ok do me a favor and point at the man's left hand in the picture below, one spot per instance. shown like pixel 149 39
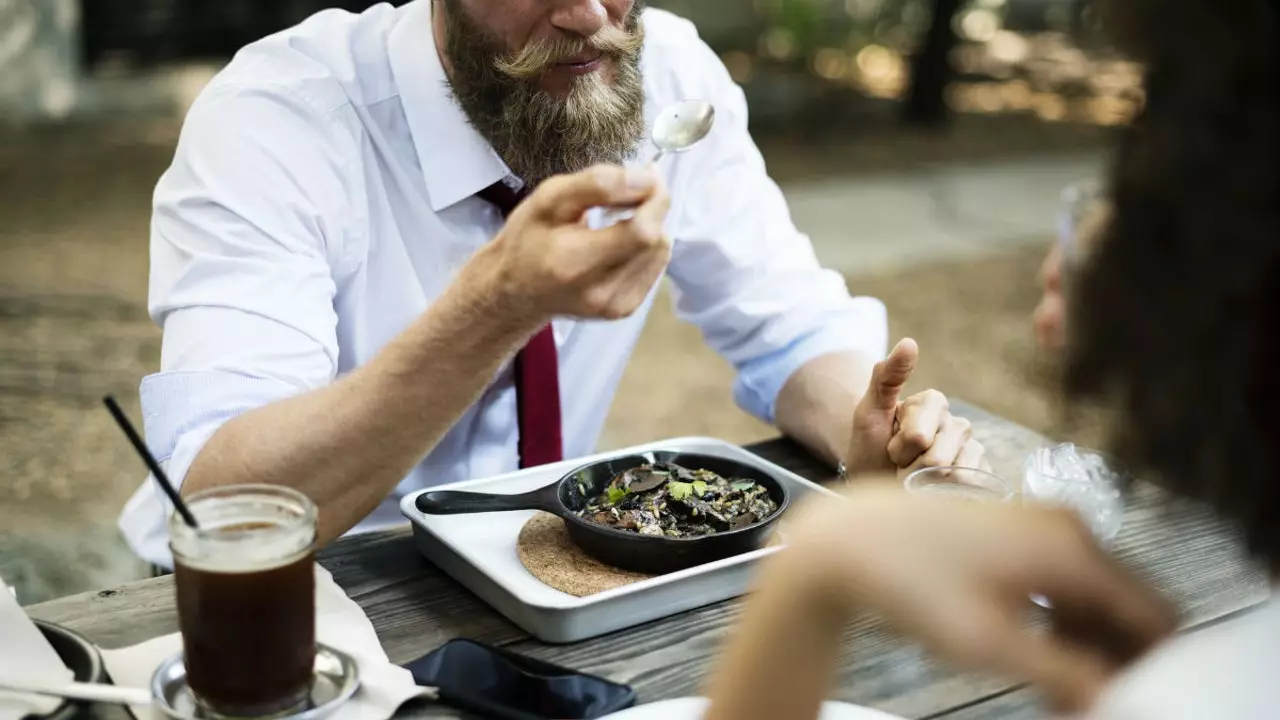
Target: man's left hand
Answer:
pixel 904 435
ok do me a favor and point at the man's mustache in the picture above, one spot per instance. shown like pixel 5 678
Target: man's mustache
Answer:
pixel 539 56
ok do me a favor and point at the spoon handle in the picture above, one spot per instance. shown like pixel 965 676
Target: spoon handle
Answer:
pixel 93 692
pixel 616 215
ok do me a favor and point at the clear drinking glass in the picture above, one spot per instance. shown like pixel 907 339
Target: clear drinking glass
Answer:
pixel 959 483
pixel 1084 480
pixel 246 599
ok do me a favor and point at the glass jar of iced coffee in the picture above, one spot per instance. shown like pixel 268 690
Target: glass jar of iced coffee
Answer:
pixel 246 599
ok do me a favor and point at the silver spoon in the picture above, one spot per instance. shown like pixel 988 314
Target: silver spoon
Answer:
pixel 677 128
pixel 93 692
pixel 681 125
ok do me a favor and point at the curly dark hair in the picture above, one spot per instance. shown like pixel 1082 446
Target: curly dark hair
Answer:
pixel 1175 318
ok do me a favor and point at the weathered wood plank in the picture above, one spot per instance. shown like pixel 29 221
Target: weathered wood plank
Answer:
pixel 415 607
pixel 1007 443
pixel 117 617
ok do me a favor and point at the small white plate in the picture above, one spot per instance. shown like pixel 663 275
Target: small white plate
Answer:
pixel 692 708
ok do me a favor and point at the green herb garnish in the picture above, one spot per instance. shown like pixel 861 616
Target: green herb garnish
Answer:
pixel 683 490
pixel 743 486
pixel 615 494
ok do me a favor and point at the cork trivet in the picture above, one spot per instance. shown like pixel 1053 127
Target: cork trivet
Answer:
pixel 549 555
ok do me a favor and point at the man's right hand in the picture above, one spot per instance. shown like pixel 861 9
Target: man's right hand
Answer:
pixel 547 262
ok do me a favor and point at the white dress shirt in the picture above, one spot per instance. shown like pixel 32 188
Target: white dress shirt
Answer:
pixel 322 196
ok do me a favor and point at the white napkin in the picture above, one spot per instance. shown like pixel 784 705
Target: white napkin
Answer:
pixel 25 654
pixel 340 624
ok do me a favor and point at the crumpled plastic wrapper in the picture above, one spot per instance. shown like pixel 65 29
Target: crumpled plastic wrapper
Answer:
pixel 1070 476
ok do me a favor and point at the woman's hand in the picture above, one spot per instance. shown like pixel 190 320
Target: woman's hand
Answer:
pixel 955 576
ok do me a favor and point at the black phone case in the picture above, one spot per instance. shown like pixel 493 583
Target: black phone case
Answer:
pixel 619 697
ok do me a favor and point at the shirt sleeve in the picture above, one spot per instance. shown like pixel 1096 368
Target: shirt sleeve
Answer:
pixel 246 242
pixel 744 274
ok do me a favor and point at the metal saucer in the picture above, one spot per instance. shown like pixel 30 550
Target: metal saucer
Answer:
pixel 336 680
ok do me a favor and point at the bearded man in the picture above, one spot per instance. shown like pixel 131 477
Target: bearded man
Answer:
pixel 376 267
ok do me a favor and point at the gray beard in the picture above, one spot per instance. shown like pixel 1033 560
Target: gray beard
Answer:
pixel 535 133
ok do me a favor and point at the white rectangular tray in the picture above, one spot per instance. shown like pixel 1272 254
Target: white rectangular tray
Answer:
pixel 479 551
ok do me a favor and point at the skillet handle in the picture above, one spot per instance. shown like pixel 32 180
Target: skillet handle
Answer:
pixel 456 502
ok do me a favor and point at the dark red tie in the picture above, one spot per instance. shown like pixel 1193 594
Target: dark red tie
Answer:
pixel 537 372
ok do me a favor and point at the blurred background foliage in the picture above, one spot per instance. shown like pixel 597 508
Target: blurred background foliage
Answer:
pixel 805 64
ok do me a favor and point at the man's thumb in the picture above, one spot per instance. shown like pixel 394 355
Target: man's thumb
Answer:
pixel 564 198
pixel 892 373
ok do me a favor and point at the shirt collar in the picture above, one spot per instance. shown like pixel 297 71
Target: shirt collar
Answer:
pixel 457 162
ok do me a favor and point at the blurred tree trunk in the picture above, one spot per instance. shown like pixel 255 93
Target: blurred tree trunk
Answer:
pixel 1077 17
pixel 931 71
pixel 1079 25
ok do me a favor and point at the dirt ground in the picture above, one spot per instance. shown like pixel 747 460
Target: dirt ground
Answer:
pixel 74 207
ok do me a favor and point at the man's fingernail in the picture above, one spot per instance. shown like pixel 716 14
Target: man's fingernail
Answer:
pixel 641 177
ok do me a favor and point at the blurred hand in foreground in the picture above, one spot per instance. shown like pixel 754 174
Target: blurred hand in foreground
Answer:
pixel 954 576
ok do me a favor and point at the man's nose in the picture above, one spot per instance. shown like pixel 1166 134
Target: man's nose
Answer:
pixel 580 17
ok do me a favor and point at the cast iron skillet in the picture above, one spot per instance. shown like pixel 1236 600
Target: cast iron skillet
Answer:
pixel 622 549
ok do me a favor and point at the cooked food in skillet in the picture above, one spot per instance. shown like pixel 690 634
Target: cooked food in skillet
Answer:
pixel 673 501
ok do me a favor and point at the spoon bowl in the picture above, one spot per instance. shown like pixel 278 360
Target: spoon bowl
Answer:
pixel 677 128
pixel 682 125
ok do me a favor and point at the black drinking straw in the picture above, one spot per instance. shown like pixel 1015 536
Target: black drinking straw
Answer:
pixel 150 460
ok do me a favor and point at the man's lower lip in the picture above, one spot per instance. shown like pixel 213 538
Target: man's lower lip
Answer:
pixel 582 68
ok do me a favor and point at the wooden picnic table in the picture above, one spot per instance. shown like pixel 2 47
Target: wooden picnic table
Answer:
pixel 1196 561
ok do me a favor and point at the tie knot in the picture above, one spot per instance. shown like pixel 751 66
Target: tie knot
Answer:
pixel 502 197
